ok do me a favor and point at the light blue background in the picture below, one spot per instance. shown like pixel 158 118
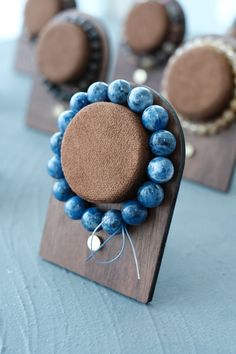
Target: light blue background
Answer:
pixel 45 309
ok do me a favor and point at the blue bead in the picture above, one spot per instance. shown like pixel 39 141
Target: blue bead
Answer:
pixel 112 222
pixel 118 91
pixel 160 170
pixel 97 92
pixel 155 118
pixel 78 101
pixel 133 213
pixel 150 195
pixel 62 191
pixel 162 143
pixel 75 207
pixel 55 143
pixel 139 99
pixel 54 167
pixel 91 218
pixel 64 120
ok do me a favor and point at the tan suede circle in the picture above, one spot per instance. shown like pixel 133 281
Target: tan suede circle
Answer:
pixel 200 83
pixel 63 52
pixel 146 26
pixel 105 153
pixel 38 13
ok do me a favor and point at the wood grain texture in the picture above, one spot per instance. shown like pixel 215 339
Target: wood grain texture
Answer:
pixel 214 160
pixel 46 309
pixel 65 241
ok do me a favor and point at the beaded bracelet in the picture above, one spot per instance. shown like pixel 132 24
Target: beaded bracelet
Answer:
pixel 146 62
pixel 64 92
pixel 228 116
pixel 160 169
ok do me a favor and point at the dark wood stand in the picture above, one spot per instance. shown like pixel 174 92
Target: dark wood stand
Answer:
pixel 213 162
pixel 64 241
pixel 25 55
pixel 44 108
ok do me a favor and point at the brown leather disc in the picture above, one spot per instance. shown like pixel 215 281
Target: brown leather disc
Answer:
pixel 38 13
pixel 105 153
pixel 200 83
pixel 146 26
pixel 62 52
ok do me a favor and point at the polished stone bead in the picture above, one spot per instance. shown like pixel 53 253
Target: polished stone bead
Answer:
pixel 78 101
pixel 55 143
pixel 97 92
pixel 75 207
pixel 112 222
pixel 61 190
pixel 150 195
pixel 54 167
pixel 118 91
pixel 64 120
pixel 139 99
pixel 91 218
pixel 155 118
pixel 133 213
pixel 162 143
pixel 160 170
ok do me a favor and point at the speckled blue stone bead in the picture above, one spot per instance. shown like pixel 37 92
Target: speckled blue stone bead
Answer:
pixel 150 195
pixel 75 207
pixel 160 170
pixel 78 101
pixel 118 91
pixel 62 191
pixel 112 222
pixel 97 92
pixel 133 213
pixel 55 143
pixel 54 167
pixel 162 143
pixel 139 99
pixel 155 118
pixel 64 120
pixel 91 218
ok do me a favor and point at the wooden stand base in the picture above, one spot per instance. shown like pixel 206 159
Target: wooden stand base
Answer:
pixel 25 55
pixel 214 159
pixel 65 241
pixel 44 108
pixel 126 67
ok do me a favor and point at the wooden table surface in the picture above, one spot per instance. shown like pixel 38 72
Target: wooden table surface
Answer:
pixel 45 309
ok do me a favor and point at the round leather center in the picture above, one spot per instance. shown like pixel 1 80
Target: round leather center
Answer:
pixel 200 83
pixel 105 153
pixel 38 13
pixel 146 26
pixel 63 51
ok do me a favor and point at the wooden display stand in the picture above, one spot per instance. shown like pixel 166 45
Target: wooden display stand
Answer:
pixel 44 107
pixel 65 241
pixel 213 162
pixel 25 55
pixel 214 159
